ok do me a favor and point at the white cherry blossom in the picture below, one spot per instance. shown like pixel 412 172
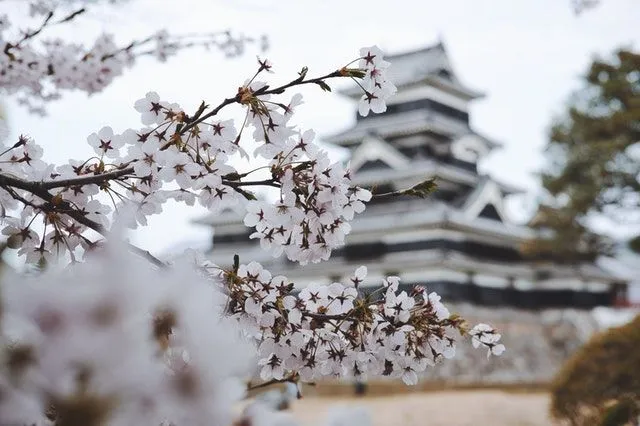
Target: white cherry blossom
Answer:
pixel 186 337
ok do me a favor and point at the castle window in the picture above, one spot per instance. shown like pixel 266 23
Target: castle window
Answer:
pixel 365 251
pixel 490 212
pixel 423 104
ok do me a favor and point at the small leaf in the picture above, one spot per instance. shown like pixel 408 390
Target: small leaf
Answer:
pixel 323 85
pixel 423 189
pixel 634 244
pixel 236 263
pixel 357 73
pixel 232 176
pixel 247 194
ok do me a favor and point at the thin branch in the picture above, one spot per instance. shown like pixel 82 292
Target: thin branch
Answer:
pixel 236 183
pixel 85 180
pixel 63 207
pixel 297 82
pixel 147 255
pixel 420 190
pixel 29 34
pixel 387 195
pixel 115 174
pixel 270 383
pixel 41 189
pixel 213 112
pixel 260 92
pixel 325 316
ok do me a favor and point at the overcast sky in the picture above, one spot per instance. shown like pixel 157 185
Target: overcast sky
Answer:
pixel 526 55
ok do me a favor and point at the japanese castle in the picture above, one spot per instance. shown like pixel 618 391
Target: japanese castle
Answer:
pixel 458 241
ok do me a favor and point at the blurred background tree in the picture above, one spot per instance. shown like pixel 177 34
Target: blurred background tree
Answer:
pixel 579 6
pixel 594 161
pixel 600 384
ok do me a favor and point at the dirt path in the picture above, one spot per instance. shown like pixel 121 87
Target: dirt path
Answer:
pixel 452 408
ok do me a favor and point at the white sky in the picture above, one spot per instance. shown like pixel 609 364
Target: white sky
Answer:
pixel 526 55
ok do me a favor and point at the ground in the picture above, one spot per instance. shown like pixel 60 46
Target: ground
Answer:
pixel 446 408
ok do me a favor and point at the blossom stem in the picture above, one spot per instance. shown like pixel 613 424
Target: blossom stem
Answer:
pixel 270 383
pixel 260 92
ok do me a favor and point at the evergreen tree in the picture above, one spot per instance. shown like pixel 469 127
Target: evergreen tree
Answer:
pixel 594 160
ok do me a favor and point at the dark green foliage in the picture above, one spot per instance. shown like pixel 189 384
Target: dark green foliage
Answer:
pixel 594 158
pixel 634 244
pixel 620 413
pixel 600 383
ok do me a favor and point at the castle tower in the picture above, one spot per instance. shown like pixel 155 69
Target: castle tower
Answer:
pixel 459 241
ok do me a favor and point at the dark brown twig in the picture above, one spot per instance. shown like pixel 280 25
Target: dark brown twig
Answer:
pixel 64 208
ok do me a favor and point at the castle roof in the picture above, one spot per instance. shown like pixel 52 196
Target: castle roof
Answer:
pixel 427 65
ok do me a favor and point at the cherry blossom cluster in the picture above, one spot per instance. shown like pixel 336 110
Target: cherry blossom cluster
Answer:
pixel 375 84
pixel 316 203
pixel 186 158
pixel 59 330
pixel 339 330
pixel 38 68
pixel 118 342
pixel 485 335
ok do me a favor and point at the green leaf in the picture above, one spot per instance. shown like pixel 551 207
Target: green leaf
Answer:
pixel 236 263
pixel 232 176
pixel 248 195
pixel 634 244
pixel 323 85
pixel 423 189
pixel 357 73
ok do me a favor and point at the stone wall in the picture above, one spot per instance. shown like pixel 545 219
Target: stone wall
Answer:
pixel 537 345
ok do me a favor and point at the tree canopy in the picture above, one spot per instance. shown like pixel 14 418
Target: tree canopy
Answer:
pixel 594 159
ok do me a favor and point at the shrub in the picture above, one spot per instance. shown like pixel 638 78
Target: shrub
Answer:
pixel 600 383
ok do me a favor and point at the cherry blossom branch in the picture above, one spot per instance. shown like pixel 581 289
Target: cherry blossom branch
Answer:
pixel 325 317
pixel 193 123
pixel 266 182
pixel 271 382
pixel 8 182
pixel 86 180
pixel 414 324
pixel 147 255
pixel 107 176
pixel 28 35
pixel 188 155
pixel 45 24
pixel 296 334
pixel 300 81
pixel 39 72
pixel 263 91
pixel 32 187
pixel 181 42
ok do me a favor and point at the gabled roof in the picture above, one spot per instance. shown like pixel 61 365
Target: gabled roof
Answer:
pixel 487 193
pixel 373 148
pixel 408 123
pixel 422 169
pixel 418 170
pixel 428 65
